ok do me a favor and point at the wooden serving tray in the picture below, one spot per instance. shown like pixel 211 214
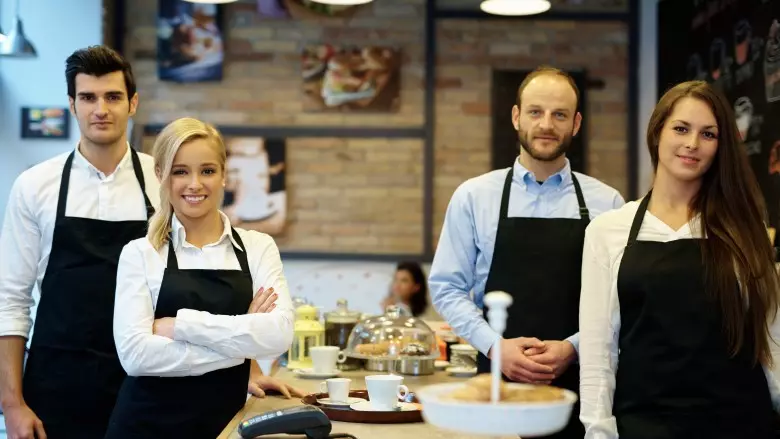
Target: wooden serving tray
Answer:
pixel 346 414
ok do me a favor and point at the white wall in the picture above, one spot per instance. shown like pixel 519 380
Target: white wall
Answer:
pixel 56 28
pixel 648 88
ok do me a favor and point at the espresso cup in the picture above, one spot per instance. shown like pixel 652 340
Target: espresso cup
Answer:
pixel 324 358
pixel 336 388
pixel 384 391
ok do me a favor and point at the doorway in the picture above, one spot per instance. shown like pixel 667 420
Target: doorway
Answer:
pixel 504 147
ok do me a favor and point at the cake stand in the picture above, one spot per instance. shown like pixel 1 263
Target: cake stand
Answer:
pixel 495 418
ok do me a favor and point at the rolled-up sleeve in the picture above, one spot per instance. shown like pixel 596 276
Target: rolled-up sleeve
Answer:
pixel 452 274
pixel 258 335
pixel 20 252
pixel 141 352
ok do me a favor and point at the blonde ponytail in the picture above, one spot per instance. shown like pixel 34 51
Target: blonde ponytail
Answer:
pixel 164 151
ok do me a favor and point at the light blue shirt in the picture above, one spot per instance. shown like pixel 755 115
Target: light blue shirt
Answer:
pixel 465 249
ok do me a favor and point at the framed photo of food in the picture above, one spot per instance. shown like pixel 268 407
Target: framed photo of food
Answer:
pixel 45 123
pixel 190 37
pixel 351 79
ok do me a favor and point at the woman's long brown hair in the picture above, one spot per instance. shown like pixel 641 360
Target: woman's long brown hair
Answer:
pixel 733 214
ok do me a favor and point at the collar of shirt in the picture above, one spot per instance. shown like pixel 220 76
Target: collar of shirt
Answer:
pixel 527 179
pixel 81 162
pixel 180 235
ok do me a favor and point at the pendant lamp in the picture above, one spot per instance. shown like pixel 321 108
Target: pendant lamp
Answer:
pixel 343 2
pixel 16 44
pixel 515 7
pixel 211 2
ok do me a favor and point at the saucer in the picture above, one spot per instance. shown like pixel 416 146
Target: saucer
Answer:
pixel 441 364
pixel 351 400
pixel 462 371
pixel 366 406
pixel 310 373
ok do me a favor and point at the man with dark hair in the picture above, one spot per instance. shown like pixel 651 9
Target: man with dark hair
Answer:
pixel 66 222
pixel 521 230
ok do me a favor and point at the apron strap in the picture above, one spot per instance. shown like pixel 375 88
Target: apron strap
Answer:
pixel 139 175
pixel 240 254
pixel 173 263
pixel 504 212
pixel 62 198
pixel 638 218
pixel 584 212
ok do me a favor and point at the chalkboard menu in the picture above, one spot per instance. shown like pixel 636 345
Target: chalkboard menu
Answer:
pixel 734 44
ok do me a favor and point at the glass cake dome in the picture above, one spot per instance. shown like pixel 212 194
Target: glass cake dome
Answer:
pixel 390 336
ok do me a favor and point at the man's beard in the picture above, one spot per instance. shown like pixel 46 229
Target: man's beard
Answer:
pixel 526 143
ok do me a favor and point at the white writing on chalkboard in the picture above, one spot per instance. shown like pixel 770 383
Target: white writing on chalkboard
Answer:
pixel 753 147
pixel 710 9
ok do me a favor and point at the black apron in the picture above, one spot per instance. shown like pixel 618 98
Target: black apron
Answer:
pixel 189 407
pixel 73 374
pixel 539 262
pixel 675 379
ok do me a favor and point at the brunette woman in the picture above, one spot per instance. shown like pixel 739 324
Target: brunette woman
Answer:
pixel 680 291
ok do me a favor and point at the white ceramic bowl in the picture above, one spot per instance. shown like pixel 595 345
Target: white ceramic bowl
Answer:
pixel 525 419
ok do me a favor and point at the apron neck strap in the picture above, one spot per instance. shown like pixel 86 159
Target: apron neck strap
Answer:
pixel 139 175
pixel 243 262
pixel 62 199
pixel 638 218
pixel 504 212
pixel 584 212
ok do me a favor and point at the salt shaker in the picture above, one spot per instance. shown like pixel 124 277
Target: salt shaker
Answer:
pixel 497 303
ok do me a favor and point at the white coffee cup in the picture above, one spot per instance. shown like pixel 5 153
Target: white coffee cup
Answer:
pixel 324 358
pixel 384 391
pixel 336 388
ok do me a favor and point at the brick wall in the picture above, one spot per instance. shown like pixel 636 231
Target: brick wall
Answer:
pixel 470 50
pixel 365 195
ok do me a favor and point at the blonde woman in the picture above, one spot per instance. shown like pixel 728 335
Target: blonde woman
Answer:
pixel 191 310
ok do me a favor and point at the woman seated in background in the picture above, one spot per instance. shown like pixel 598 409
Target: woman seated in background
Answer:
pixel 410 291
pixel 679 290
pixel 196 299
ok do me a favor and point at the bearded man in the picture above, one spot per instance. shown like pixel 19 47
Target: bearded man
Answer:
pixel 521 230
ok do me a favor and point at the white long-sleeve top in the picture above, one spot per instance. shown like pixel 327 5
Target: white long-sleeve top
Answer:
pixel 605 241
pixel 28 227
pixel 203 342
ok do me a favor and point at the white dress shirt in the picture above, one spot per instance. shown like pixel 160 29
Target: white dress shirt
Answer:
pixel 465 251
pixel 26 236
pixel 605 241
pixel 203 342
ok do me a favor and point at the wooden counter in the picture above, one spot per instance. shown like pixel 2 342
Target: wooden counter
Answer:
pixel 255 406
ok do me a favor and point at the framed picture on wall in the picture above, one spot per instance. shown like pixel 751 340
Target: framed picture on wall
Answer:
pixel 190 41
pixel 255 190
pixel 45 123
pixel 351 79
